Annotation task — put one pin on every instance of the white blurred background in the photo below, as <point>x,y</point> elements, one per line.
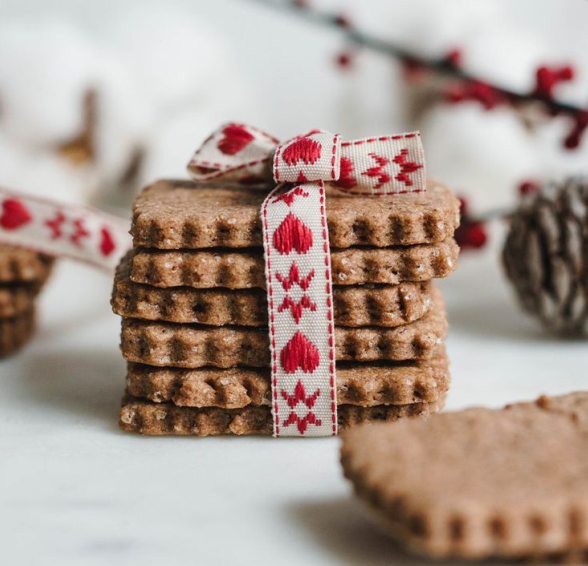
<point>102,96</point>
<point>98,97</point>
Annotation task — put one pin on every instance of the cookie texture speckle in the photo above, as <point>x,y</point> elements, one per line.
<point>16,299</point>
<point>480,483</point>
<point>15,332</point>
<point>357,384</point>
<point>245,269</point>
<point>179,214</point>
<point>391,305</point>
<point>18,265</point>
<point>148,418</point>
<point>179,345</point>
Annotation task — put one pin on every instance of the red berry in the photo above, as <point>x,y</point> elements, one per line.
<point>547,78</point>
<point>454,58</point>
<point>527,187</point>
<point>342,21</point>
<point>413,71</point>
<point>487,95</point>
<point>344,60</point>
<point>471,236</point>
<point>463,206</point>
<point>574,138</point>
<point>566,73</point>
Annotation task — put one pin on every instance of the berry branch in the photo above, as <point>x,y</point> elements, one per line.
<point>472,233</point>
<point>463,85</point>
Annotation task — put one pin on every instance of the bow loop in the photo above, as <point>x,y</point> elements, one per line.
<point>315,156</point>
<point>234,153</point>
<point>377,166</point>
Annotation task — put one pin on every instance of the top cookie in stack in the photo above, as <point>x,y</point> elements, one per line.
<point>194,308</point>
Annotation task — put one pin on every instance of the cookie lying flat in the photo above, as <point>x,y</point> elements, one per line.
<point>353,306</point>
<point>17,299</point>
<point>180,214</point>
<point>163,419</point>
<point>480,483</point>
<point>245,269</point>
<point>178,345</point>
<point>15,332</point>
<point>18,265</point>
<point>234,388</point>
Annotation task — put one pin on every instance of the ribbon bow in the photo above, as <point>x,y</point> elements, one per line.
<point>296,246</point>
<point>377,166</point>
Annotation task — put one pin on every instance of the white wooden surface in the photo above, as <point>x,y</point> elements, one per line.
<point>75,491</point>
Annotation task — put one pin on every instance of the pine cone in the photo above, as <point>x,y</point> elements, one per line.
<point>546,255</point>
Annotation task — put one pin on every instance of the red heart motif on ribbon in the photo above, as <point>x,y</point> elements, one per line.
<point>107,245</point>
<point>305,149</point>
<point>235,139</point>
<point>292,234</point>
<point>14,214</point>
<point>346,178</point>
<point>299,353</point>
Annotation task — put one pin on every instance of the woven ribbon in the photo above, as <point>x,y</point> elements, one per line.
<point>296,246</point>
<point>62,229</point>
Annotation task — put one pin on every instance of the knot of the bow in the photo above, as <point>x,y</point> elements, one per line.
<point>245,155</point>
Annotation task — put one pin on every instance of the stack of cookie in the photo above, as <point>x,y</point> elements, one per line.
<point>22,275</point>
<point>193,301</point>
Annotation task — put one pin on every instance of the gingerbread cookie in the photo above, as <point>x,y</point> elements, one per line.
<point>480,483</point>
<point>354,306</point>
<point>15,332</point>
<point>182,215</point>
<point>17,298</point>
<point>232,269</point>
<point>18,265</point>
<point>166,419</point>
<point>357,384</point>
<point>177,345</point>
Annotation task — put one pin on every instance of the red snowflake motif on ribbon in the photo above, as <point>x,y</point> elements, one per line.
<point>406,167</point>
<point>300,396</point>
<point>56,225</point>
<point>379,170</point>
<point>291,195</point>
<point>296,308</point>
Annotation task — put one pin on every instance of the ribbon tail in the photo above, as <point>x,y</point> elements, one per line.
<point>63,229</point>
<point>301,323</point>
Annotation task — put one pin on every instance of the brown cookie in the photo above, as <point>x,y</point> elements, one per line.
<point>17,299</point>
<point>18,265</point>
<point>182,215</point>
<point>353,306</point>
<point>245,269</point>
<point>15,332</point>
<point>176,345</point>
<point>234,388</point>
<point>480,483</point>
<point>165,419</point>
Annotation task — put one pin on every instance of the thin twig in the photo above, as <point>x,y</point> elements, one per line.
<point>442,67</point>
